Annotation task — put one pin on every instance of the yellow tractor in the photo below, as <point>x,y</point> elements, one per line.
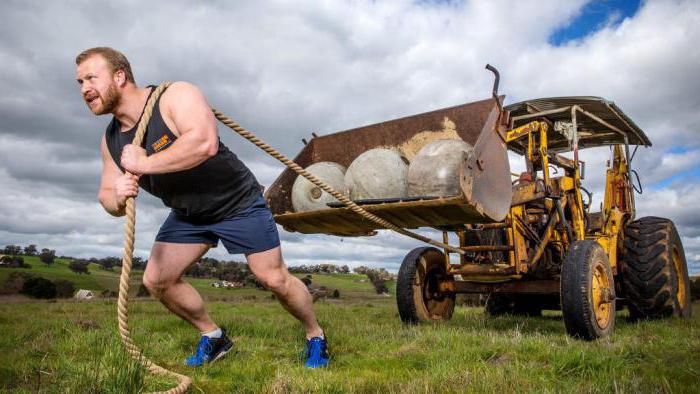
<point>551,251</point>
<point>527,241</point>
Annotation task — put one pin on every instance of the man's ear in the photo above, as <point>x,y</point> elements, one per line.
<point>119,78</point>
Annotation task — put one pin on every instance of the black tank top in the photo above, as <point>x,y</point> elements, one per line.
<point>215,189</point>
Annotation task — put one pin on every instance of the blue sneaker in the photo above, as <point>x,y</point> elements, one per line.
<point>210,350</point>
<point>316,353</point>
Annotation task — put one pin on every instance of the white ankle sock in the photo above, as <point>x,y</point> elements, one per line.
<point>319,336</point>
<point>214,334</point>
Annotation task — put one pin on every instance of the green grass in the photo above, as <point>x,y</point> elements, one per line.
<point>71,347</point>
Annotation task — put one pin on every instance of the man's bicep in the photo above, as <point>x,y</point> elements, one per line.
<point>190,111</point>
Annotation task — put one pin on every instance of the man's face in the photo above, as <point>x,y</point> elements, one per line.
<point>98,85</point>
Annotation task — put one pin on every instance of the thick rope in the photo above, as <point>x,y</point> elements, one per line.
<point>129,228</point>
<point>130,225</point>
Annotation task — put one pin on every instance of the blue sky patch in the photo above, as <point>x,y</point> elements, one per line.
<point>594,16</point>
<point>690,175</point>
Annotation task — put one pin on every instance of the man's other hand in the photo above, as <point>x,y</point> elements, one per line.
<point>127,185</point>
<point>134,159</point>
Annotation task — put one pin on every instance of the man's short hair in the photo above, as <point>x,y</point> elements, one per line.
<point>116,60</point>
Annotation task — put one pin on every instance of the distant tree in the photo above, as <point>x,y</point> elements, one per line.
<point>138,263</point>
<point>307,280</point>
<point>200,269</point>
<point>79,266</point>
<point>64,288</point>
<point>30,250</point>
<point>298,269</point>
<point>47,256</point>
<point>378,277</point>
<point>108,263</point>
<point>14,262</point>
<point>12,250</point>
<point>360,270</point>
<point>344,269</point>
<point>39,287</point>
<point>234,272</point>
<point>14,282</point>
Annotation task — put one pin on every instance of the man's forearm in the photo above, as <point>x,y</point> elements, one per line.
<point>187,152</point>
<point>110,202</point>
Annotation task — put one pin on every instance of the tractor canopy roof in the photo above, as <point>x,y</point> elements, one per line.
<point>598,122</point>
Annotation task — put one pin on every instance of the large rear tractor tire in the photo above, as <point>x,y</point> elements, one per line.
<point>654,275</point>
<point>417,293</point>
<point>587,291</point>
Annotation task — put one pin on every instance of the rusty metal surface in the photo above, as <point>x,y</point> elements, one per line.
<point>485,177</point>
<point>514,287</point>
<point>526,192</point>
<point>482,269</point>
<point>487,248</point>
<point>591,133</point>
<point>413,214</point>
<point>469,122</point>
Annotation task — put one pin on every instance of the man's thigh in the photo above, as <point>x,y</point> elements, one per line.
<point>261,263</point>
<point>168,261</point>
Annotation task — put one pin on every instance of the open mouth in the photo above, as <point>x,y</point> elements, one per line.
<point>91,100</point>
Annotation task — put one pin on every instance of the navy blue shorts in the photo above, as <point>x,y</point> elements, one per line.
<point>251,230</point>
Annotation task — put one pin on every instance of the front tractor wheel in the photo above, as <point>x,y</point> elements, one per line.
<point>587,291</point>
<point>417,287</point>
<point>655,275</point>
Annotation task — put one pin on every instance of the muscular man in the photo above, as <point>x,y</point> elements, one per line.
<point>212,194</point>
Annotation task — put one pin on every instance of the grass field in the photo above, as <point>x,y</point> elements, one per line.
<point>69,346</point>
<point>64,347</point>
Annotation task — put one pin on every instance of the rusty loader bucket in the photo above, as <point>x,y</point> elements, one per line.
<point>485,187</point>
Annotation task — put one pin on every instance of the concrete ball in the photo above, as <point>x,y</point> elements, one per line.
<point>377,173</point>
<point>308,197</point>
<point>435,169</point>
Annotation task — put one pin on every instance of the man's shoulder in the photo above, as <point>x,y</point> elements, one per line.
<point>181,93</point>
<point>181,88</point>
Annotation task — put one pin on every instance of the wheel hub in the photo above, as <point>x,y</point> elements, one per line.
<point>603,296</point>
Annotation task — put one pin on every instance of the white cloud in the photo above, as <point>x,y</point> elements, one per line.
<point>284,70</point>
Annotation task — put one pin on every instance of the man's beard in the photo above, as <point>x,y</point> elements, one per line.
<point>110,100</point>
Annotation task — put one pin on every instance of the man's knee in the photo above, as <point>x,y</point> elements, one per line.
<point>155,283</point>
<point>276,280</point>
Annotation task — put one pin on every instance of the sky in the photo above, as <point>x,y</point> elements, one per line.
<point>286,69</point>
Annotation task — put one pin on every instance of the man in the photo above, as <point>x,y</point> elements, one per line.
<point>212,194</point>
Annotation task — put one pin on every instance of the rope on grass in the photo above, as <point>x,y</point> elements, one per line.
<point>130,226</point>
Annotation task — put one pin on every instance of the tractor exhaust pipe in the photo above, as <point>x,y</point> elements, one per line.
<point>494,92</point>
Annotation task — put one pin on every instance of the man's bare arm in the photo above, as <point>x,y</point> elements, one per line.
<point>115,186</point>
<point>194,122</point>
